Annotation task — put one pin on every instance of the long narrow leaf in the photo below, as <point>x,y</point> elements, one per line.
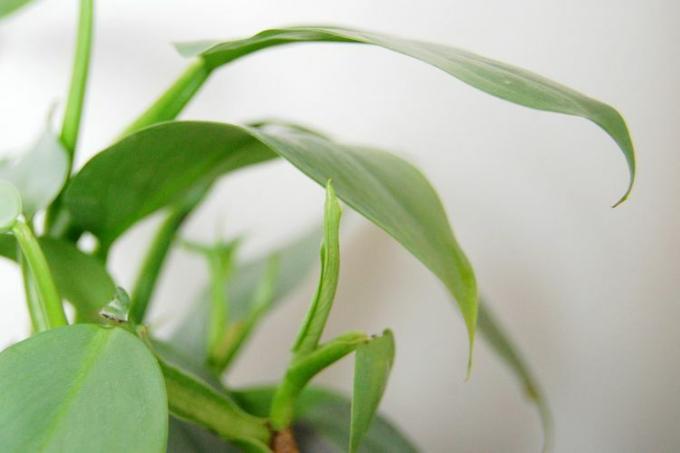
<point>494,77</point>
<point>494,334</point>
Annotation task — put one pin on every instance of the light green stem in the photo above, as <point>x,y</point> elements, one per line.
<point>70,128</point>
<point>81,64</point>
<point>38,317</point>
<point>219,308</point>
<point>174,99</point>
<point>51,312</point>
<point>153,263</point>
<point>193,400</point>
<point>303,368</point>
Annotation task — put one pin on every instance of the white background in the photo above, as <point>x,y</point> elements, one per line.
<point>591,294</point>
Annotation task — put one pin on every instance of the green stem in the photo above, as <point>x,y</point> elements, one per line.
<point>153,263</point>
<point>303,368</point>
<point>236,335</point>
<point>219,308</point>
<point>174,99</point>
<point>38,318</point>
<point>193,400</point>
<point>51,312</point>
<point>70,128</point>
<point>165,108</point>
<point>81,65</point>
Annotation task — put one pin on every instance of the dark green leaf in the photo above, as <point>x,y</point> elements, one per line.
<point>80,278</point>
<point>492,331</point>
<point>322,422</point>
<point>494,77</point>
<point>39,173</point>
<point>149,169</point>
<point>372,368</point>
<point>153,168</point>
<point>82,388</point>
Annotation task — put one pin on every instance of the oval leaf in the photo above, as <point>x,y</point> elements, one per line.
<point>148,170</point>
<point>82,388</point>
<point>494,77</point>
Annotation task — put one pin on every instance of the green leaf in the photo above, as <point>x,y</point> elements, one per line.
<point>317,315</point>
<point>494,77</point>
<point>10,6</point>
<point>39,173</point>
<point>10,206</point>
<point>372,182</point>
<point>81,279</point>
<point>152,169</point>
<point>372,368</point>
<point>82,388</point>
<point>149,169</point>
<point>294,263</point>
<point>494,334</point>
<point>322,422</point>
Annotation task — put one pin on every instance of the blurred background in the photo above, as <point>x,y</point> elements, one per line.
<point>590,294</point>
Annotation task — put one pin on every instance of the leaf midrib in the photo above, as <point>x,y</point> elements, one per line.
<point>97,344</point>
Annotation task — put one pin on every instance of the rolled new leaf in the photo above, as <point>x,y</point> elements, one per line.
<point>155,167</point>
<point>312,328</point>
<point>499,79</point>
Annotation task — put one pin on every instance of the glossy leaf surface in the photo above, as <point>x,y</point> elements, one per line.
<point>494,77</point>
<point>372,367</point>
<point>82,388</point>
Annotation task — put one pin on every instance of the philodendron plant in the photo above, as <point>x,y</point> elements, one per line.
<point>101,381</point>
